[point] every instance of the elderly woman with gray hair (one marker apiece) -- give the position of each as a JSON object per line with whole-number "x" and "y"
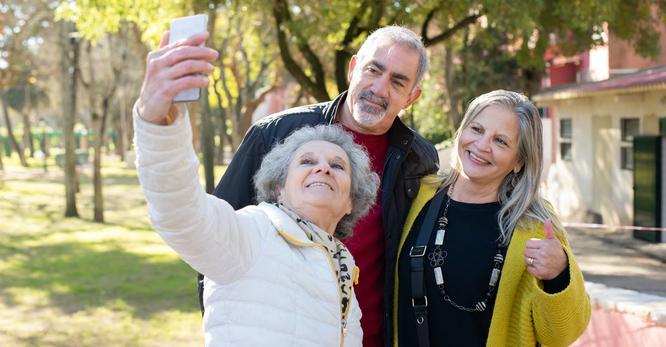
{"x": 276, "y": 275}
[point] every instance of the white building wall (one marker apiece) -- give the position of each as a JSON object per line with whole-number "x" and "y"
{"x": 593, "y": 182}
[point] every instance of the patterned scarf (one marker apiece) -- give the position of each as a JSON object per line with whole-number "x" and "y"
{"x": 341, "y": 256}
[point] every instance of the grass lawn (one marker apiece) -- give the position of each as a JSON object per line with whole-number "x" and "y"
{"x": 72, "y": 282}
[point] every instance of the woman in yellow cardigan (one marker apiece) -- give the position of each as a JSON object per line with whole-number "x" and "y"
{"x": 483, "y": 259}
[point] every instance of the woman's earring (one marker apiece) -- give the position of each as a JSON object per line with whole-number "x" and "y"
{"x": 514, "y": 180}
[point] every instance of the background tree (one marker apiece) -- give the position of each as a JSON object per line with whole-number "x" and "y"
{"x": 505, "y": 48}
{"x": 474, "y": 46}
{"x": 19, "y": 38}
{"x": 70, "y": 68}
{"x": 111, "y": 32}
{"x": 337, "y": 29}
{"x": 10, "y": 129}
{"x": 242, "y": 80}
{"x": 2, "y": 153}
{"x": 25, "y": 98}
{"x": 101, "y": 86}
{"x": 316, "y": 40}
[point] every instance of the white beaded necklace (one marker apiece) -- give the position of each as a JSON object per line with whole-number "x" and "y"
{"x": 438, "y": 255}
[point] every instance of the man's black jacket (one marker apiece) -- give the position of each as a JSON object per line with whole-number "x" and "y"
{"x": 408, "y": 158}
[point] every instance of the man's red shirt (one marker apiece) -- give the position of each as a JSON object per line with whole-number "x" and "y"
{"x": 367, "y": 247}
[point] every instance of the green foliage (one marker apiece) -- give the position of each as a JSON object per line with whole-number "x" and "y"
{"x": 428, "y": 114}
{"x": 96, "y": 18}
{"x": 502, "y": 48}
{"x": 486, "y": 65}
{"x": 245, "y": 43}
{"x": 634, "y": 21}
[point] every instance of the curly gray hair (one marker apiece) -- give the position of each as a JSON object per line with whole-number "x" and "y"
{"x": 272, "y": 174}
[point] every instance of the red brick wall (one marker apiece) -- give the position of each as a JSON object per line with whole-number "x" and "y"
{"x": 622, "y": 56}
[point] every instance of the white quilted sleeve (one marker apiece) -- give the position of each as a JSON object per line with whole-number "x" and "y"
{"x": 205, "y": 231}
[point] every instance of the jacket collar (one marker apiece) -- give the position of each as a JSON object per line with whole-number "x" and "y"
{"x": 331, "y": 109}
{"x": 283, "y": 223}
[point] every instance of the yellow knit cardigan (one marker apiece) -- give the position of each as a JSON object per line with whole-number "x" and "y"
{"x": 524, "y": 314}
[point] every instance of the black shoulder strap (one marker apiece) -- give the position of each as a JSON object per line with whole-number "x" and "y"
{"x": 200, "y": 289}
{"x": 416, "y": 255}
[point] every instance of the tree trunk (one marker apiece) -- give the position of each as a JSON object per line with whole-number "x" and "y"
{"x": 100, "y": 129}
{"x": 224, "y": 137}
{"x": 71, "y": 60}
{"x": 27, "y": 133}
{"x": 207, "y": 130}
{"x": 10, "y": 132}
{"x": 121, "y": 127}
{"x": 44, "y": 147}
{"x": 98, "y": 198}
{"x": 315, "y": 86}
{"x": 236, "y": 115}
{"x": 27, "y": 127}
{"x": 454, "y": 114}
{"x": 207, "y": 142}
{"x": 2, "y": 152}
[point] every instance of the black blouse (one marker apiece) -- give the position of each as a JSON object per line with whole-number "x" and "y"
{"x": 471, "y": 243}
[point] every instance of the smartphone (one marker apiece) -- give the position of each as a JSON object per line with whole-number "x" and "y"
{"x": 182, "y": 28}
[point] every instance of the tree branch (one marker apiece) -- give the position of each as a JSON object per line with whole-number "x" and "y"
{"x": 85, "y": 83}
{"x": 263, "y": 65}
{"x": 251, "y": 105}
{"x": 223, "y": 74}
{"x": 315, "y": 87}
{"x": 443, "y": 36}
{"x": 341, "y": 54}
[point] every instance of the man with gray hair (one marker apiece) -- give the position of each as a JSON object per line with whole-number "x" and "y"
{"x": 383, "y": 80}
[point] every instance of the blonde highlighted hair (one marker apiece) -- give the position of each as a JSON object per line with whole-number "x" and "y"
{"x": 519, "y": 193}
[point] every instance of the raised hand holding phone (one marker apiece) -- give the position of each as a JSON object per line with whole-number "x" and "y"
{"x": 171, "y": 69}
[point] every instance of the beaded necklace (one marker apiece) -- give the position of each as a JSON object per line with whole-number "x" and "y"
{"x": 438, "y": 255}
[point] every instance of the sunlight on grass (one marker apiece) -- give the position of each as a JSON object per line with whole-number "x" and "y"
{"x": 72, "y": 282}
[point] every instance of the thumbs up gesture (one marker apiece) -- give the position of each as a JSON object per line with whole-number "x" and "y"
{"x": 545, "y": 258}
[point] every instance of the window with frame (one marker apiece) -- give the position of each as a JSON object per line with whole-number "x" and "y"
{"x": 566, "y": 137}
{"x": 629, "y": 127}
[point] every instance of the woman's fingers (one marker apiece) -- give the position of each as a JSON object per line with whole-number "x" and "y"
{"x": 169, "y": 55}
{"x": 171, "y": 69}
{"x": 185, "y": 82}
{"x": 547, "y": 260}
{"x": 188, "y": 67}
{"x": 183, "y": 54}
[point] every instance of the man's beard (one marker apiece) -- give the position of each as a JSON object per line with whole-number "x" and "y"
{"x": 367, "y": 112}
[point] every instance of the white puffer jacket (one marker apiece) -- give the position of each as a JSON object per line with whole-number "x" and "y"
{"x": 267, "y": 283}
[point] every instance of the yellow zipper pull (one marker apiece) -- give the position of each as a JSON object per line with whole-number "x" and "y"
{"x": 344, "y": 333}
{"x": 344, "y": 327}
